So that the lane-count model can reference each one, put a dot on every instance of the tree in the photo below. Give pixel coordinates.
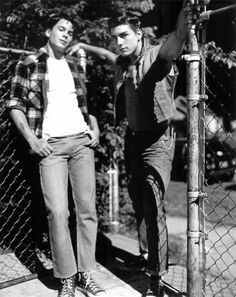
(22, 27)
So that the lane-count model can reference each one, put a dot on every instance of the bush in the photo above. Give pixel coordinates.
(23, 28)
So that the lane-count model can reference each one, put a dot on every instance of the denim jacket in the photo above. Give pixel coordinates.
(155, 92)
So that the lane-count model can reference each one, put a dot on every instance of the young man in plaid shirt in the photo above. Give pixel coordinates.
(48, 106)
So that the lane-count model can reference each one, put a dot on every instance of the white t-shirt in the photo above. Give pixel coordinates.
(63, 116)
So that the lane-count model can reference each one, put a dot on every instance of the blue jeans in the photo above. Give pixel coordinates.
(71, 158)
(148, 160)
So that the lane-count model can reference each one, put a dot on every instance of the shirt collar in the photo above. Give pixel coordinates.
(44, 52)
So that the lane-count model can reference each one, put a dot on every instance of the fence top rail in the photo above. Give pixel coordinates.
(14, 51)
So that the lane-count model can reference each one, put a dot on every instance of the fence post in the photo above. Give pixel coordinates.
(82, 59)
(202, 41)
(113, 198)
(193, 98)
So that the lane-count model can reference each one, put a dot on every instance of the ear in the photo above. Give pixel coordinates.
(48, 32)
(139, 34)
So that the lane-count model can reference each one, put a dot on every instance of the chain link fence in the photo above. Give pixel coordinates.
(218, 208)
(24, 249)
(211, 233)
(24, 243)
(24, 255)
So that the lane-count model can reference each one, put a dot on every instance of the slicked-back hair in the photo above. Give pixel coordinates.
(125, 19)
(52, 19)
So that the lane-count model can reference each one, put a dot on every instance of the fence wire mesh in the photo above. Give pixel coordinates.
(24, 242)
(218, 207)
(19, 254)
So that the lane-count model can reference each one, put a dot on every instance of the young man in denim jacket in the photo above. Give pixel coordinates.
(48, 106)
(145, 77)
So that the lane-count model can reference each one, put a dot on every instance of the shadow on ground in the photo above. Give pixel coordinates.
(113, 259)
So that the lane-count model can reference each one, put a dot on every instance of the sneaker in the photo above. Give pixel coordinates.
(155, 287)
(139, 264)
(88, 286)
(67, 288)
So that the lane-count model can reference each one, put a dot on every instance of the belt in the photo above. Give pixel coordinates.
(158, 132)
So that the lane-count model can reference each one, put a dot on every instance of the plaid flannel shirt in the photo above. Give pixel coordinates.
(30, 84)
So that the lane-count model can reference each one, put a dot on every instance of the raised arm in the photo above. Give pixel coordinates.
(102, 53)
(173, 46)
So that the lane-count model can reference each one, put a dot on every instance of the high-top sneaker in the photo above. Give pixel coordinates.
(87, 285)
(67, 288)
(155, 287)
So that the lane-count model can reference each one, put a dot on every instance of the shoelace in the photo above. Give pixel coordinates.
(67, 288)
(85, 277)
(94, 286)
(89, 282)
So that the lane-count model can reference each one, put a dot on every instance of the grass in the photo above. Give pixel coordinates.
(177, 245)
(176, 199)
(219, 205)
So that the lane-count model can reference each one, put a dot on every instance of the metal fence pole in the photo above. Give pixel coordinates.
(193, 98)
(202, 40)
(82, 60)
(113, 199)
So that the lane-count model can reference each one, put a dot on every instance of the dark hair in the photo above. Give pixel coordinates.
(53, 18)
(125, 19)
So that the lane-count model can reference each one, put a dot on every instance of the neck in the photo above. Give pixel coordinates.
(137, 52)
(54, 53)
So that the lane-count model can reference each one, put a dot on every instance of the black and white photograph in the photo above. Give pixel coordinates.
(117, 148)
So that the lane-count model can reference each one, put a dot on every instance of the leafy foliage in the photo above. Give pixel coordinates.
(217, 55)
(23, 26)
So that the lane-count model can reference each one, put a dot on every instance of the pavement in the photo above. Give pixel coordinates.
(220, 261)
(115, 281)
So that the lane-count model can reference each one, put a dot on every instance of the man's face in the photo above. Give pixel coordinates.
(126, 39)
(61, 35)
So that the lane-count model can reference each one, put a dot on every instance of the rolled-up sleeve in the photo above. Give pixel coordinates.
(19, 88)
